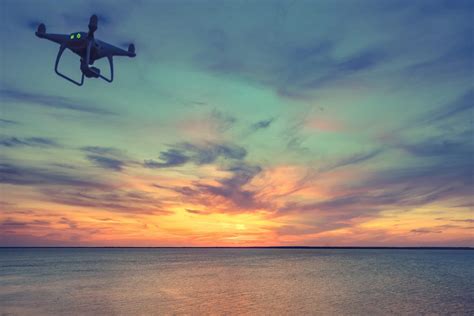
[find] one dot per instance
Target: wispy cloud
(353, 160)
(107, 163)
(8, 122)
(99, 150)
(106, 157)
(11, 141)
(232, 188)
(169, 158)
(461, 104)
(9, 96)
(425, 231)
(10, 223)
(107, 198)
(36, 176)
(263, 124)
(198, 212)
(228, 195)
(199, 154)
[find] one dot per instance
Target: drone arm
(112, 50)
(57, 38)
(121, 52)
(58, 57)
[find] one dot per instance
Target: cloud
(34, 176)
(72, 224)
(443, 173)
(199, 154)
(107, 163)
(198, 212)
(10, 223)
(453, 62)
(280, 53)
(14, 239)
(99, 150)
(10, 141)
(460, 105)
(425, 231)
(292, 230)
(206, 124)
(169, 158)
(444, 149)
(49, 101)
(210, 152)
(227, 195)
(358, 203)
(222, 120)
(8, 122)
(232, 188)
(361, 61)
(106, 157)
(261, 124)
(108, 198)
(334, 70)
(443, 169)
(77, 190)
(228, 190)
(294, 71)
(469, 220)
(353, 160)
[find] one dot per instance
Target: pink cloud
(325, 124)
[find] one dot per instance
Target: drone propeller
(92, 25)
(131, 49)
(41, 30)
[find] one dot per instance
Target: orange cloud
(325, 124)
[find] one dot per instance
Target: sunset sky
(240, 123)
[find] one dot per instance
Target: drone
(88, 48)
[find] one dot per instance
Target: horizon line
(252, 247)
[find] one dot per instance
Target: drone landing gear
(89, 72)
(95, 71)
(58, 57)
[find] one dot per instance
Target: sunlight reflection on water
(235, 281)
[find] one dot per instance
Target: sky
(240, 123)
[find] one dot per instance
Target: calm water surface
(235, 281)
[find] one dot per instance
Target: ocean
(230, 281)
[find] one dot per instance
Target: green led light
(78, 35)
(72, 36)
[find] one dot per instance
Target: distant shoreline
(255, 247)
